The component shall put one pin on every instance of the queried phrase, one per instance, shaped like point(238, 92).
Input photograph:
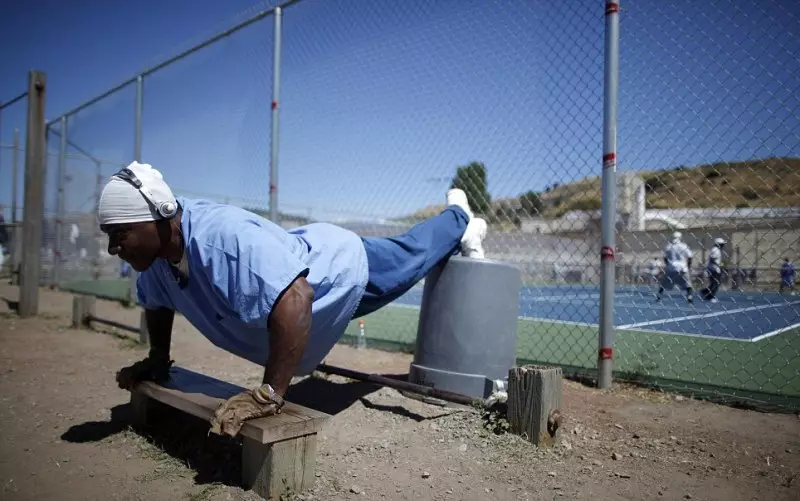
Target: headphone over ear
point(166, 209)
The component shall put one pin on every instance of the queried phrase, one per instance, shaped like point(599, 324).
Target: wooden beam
point(82, 311)
point(144, 334)
point(534, 403)
point(200, 395)
point(281, 469)
point(278, 452)
point(33, 201)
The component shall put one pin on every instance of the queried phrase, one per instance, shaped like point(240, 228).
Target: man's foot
point(472, 240)
point(459, 198)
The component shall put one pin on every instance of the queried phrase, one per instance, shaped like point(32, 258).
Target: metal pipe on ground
point(399, 385)
point(83, 316)
point(112, 323)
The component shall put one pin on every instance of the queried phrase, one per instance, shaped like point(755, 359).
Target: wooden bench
point(278, 452)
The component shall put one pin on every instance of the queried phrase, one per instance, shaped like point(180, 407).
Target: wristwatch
point(265, 394)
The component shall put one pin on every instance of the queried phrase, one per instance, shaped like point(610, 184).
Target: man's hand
point(149, 369)
point(250, 404)
point(156, 366)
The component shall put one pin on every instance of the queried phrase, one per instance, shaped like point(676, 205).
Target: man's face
point(135, 243)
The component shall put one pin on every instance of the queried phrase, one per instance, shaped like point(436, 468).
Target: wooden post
point(279, 469)
point(33, 207)
point(139, 407)
point(534, 403)
point(144, 334)
point(82, 311)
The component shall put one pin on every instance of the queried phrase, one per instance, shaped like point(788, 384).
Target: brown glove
point(250, 404)
point(148, 369)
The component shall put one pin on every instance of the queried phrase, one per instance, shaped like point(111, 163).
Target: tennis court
point(746, 344)
point(737, 315)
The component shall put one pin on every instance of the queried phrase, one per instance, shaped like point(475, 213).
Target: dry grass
point(772, 182)
point(769, 182)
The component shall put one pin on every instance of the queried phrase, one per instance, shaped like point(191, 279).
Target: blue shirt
point(787, 270)
point(238, 265)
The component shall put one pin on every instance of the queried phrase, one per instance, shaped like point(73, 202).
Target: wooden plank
point(534, 403)
point(279, 469)
point(199, 395)
point(144, 333)
point(139, 409)
point(82, 311)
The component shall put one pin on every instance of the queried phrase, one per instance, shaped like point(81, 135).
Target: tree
point(532, 204)
point(472, 179)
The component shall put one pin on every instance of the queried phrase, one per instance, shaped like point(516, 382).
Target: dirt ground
point(66, 435)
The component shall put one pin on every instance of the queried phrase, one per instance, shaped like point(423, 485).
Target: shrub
point(654, 183)
point(750, 193)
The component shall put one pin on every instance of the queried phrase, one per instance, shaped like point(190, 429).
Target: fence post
point(15, 230)
point(62, 175)
point(98, 191)
point(276, 82)
point(14, 176)
point(137, 155)
point(33, 206)
point(605, 357)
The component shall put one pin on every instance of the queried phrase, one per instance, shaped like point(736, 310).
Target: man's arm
point(159, 327)
point(289, 324)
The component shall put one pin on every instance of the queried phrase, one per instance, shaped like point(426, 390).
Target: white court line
point(618, 304)
point(687, 334)
point(706, 315)
point(561, 297)
point(562, 322)
point(665, 333)
point(531, 319)
point(406, 306)
point(572, 297)
point(775, 333)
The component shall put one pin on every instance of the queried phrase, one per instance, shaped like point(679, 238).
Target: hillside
point(769, 182)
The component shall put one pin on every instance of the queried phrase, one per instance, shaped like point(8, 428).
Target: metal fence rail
point(368, 114)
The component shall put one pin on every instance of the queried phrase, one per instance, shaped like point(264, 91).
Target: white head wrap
point(122, 202)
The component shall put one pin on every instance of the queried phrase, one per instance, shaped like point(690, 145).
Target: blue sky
point(381, 101)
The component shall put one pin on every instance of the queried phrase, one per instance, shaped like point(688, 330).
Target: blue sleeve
point(250, 267)
point(150, 293)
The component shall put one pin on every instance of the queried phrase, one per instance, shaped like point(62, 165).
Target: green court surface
point(113, 289)
point(764, 371)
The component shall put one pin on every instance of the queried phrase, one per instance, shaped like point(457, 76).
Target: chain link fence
point(382, 109)
point(709, 132)
point(13, 119)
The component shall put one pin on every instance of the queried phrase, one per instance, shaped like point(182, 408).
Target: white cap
point(719, 241)
point(123, 202)
point(677, 236)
